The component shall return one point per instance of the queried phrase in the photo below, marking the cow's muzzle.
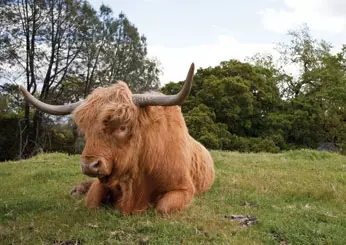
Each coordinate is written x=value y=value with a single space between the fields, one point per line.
x=93 y=167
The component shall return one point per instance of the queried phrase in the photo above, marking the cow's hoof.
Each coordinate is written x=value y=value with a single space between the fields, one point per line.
x=74 y=192
x=79 y=189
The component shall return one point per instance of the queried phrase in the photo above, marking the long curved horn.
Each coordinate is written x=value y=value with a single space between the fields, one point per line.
x=50 y=109
x=166 y=100
x=138 y=99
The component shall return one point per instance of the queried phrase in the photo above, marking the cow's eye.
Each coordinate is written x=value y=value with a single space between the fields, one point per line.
x=122 y=131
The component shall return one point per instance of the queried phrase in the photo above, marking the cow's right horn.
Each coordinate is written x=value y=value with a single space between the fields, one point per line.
x=166 y=100
x=47 y=108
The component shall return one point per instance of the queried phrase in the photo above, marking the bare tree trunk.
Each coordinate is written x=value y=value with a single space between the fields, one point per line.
x=23 y=140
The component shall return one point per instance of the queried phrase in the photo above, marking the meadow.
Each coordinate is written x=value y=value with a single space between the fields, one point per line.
x=298 y=197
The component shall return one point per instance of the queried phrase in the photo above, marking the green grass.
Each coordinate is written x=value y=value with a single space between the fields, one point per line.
x=300 y=198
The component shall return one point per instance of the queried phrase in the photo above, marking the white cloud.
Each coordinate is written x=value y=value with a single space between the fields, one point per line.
x=175 y=62
x=320 y=15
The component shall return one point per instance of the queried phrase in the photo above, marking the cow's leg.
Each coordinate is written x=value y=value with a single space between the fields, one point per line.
x=132 y=197
x=175 y=200
x=81 y=188
x=97 y=194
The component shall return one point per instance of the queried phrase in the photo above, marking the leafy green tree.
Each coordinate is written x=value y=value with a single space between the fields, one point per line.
x=306 y=54
x=41 y=41
x=330 y=96
x=62 y=50
x=241 y=96
x=232 y=102
x=201 y=124
x=314 y=100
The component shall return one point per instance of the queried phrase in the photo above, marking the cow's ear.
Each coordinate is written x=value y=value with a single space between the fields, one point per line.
x=118 y=119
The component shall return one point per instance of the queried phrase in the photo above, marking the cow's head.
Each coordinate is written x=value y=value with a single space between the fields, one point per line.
x=109 y=120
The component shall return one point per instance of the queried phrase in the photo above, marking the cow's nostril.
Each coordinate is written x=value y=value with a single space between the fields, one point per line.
x=92 y=168
x=96 y=164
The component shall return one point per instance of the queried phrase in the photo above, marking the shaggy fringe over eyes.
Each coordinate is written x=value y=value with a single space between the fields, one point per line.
x=114 y=101
x=115 y=115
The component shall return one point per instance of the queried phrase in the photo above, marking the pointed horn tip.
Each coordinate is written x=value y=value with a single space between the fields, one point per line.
x=191 y=71
x=192 y=66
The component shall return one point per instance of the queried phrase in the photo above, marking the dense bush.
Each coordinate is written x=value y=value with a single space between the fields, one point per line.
x=9 y=137
x=58 y=137
x=201 y=124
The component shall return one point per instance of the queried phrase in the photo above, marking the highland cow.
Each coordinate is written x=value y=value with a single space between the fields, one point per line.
x=138 y=148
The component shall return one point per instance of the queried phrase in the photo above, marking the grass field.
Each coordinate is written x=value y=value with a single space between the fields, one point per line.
x=299 y=197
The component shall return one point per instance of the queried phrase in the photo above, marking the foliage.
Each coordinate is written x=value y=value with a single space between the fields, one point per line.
x=297 y=196
x=201 y=123
x=9 y=135
x=317 y=102
x=231 y=104
x=10 y=99
x=259 y=102
x=248 y=106
x=61 y=50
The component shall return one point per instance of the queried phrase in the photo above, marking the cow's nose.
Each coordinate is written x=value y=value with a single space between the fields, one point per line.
x=90 y=168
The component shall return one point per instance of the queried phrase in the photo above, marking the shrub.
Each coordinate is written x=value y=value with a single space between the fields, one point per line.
x=9 y=137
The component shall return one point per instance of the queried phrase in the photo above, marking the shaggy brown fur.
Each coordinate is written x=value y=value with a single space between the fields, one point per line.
x=148 y=156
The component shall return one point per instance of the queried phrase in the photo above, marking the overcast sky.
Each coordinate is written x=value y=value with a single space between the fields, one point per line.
x=210 y=31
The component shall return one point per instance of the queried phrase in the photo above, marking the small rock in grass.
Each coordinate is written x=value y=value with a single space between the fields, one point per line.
x=244 y=220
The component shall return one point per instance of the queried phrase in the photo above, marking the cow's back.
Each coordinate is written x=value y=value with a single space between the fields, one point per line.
x=171 y=146
x=202 y=167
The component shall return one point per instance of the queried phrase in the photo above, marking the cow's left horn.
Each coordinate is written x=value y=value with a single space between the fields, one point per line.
x=50 y=109
x=166 y=100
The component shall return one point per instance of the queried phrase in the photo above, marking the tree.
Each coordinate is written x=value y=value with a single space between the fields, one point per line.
x=313 y=98
x=201 y=124
x=306 y=54
x=42 y=40
x=241 y=95
x=230 y=103
x=125 y=58
x=63 y=49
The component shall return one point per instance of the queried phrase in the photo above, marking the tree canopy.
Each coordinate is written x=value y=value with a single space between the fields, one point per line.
x=61 y=50
x=256 y=106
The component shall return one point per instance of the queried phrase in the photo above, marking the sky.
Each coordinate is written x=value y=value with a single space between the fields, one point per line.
x=180 y=32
